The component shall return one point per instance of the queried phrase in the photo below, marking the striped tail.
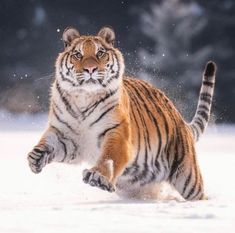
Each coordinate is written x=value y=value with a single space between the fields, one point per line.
x=201 y=118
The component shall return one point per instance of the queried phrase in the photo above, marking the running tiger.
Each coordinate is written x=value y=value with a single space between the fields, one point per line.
x=128 y=131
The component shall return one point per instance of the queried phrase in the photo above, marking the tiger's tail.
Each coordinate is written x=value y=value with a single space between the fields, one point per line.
x=201 y=117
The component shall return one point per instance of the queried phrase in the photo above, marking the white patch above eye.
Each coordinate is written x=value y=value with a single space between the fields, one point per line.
x=79 y=48
x=97 y=46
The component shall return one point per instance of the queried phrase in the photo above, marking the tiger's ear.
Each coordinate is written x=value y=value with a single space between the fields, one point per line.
x=69 y=35
x=107 y=33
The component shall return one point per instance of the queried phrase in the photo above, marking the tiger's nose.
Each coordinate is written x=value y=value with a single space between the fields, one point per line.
x=90 y=69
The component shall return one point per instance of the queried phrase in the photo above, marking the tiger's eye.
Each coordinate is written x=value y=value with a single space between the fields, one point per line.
x=77 y=55
x=100 y=54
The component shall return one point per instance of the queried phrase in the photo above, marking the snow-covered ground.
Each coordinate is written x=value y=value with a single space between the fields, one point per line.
x=56 y=200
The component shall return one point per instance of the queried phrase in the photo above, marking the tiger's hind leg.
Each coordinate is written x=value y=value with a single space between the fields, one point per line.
x=185 y=175
x=187 y=180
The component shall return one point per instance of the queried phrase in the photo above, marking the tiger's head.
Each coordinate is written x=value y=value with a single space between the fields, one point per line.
x=89 y=63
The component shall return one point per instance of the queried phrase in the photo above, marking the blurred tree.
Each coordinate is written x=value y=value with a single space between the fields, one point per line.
x=220 y=33
x=177 y=36
x=172 y=63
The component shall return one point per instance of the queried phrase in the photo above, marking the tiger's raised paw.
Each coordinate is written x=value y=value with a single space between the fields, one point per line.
x=95 y=179
x=37 y=159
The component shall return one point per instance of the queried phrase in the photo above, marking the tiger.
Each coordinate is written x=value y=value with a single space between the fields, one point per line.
x=128 y=131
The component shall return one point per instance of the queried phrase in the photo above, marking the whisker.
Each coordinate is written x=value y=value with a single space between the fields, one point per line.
x=45 y=77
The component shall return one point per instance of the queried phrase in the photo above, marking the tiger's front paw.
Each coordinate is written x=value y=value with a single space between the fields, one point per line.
x=94 y=178
x=38 y=158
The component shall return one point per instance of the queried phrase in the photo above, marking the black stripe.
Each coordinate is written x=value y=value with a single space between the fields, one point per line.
x=207 y=83
x=66 y=102
x=203 y=107
x=103 y=114
x=200 y=123
x=94 y=106
x=150 y=180
x=136 y=166
x=67 y=80
x=73 y=154
x=109 y=80
x=101 y=135
x=138 y=134
x=135 y=163
x=177 y=160
x=138 y=107
x=206 y=97
x=196 y=194
x=66 y=64
x=81 y=81
x=159 y=110
x=111 y=67
x=175 y=139
x=32 y=158
x=112 y=102
x=116 y=76
x=199 y=187
x=64 y=148
x=174 y=165
x=118 y=64
x=195 y=131
x=183 y=153
x=146 y=139
x=153 y=119
x=142 y=175
x=203 y=114
x=187 y=182
x=63 y=122
x=38 y=150
x=168 y=151
x=57 y=107
x=192 y=190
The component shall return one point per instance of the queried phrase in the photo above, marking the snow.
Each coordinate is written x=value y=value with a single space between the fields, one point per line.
x=57 y=200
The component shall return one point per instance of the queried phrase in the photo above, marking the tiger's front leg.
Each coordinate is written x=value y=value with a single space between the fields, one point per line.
x=115 y=155
x=52 y=147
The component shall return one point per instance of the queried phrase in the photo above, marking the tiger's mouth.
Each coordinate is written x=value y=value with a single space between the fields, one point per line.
x=94 y=78
x=91 y=80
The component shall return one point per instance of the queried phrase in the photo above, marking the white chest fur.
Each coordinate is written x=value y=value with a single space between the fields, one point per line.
x=82 y=118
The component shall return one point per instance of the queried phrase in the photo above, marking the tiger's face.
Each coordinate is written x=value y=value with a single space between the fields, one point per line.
x=89 y=63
